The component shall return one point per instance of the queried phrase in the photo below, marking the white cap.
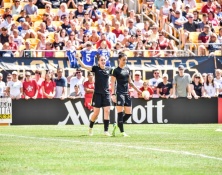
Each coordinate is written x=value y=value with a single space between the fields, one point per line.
x=15 y=73
x=165 y=75
x=137 y=73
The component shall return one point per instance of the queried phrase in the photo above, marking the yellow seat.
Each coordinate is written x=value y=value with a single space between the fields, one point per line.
x=35 y=18
x=37 y=24
x=51 y=35
x=217 y=28
x=57 y=23
x=193 y=36
x=7 y=1
x=218 y=53
x=41 y=12
x=7 y=5
x=15 y=17
x=59 y=54
x=199 y=6
x=129 y=53
x=33 y=42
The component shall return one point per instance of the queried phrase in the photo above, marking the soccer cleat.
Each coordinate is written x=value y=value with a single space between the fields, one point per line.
x=106 y=133
x=114 y=129
x=90 y=132
x=124 y=134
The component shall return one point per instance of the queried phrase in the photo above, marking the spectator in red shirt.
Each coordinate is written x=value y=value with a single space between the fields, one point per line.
x=117 y=31
x=208 y=7
x=12 y=45
x=48 y=86
x=203 y=38
x=146 y=87
x=89 y=90
x=103 y=38
x=30 y=87
x=39 y=81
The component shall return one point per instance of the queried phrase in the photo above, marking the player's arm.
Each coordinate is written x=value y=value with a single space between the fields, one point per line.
x=133 y=85
x=89 y=68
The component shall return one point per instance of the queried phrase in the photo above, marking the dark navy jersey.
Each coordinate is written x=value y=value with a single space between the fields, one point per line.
x=106 y=54
x=88 y=57
x=101 y=79
x=122 y=79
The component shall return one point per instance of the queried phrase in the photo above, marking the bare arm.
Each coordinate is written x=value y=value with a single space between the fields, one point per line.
x=89 y=68
x=113 y=83
x=133 y=85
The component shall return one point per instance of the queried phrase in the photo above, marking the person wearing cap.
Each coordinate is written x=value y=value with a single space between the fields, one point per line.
x=196 y=86
x=189 y=26
x=2 y=86
x=164 y=88
x=101 y=96
x=79 y=13
x=208 y=7
x=181 y=84
x=22 y=15
x=153 y=82
x=191 y=3
x=138 y=82
x=186 y=11
x=14 y=87
x=76 y=79
x=178 y=20
x=30 y=87
x=4 y=35
x=203 y=38
x=31 y=8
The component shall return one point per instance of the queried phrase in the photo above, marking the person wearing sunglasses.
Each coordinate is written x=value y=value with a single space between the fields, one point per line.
x=197 y=85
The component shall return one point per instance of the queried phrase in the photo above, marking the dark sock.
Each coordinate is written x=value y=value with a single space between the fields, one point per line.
x=106 y=125
x=120 y=121
x=126 y=117
x=91 y=123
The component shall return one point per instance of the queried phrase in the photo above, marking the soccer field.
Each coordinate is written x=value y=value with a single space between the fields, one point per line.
x=151 y=149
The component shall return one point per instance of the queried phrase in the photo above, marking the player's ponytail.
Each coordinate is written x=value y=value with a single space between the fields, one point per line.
x=121 y=54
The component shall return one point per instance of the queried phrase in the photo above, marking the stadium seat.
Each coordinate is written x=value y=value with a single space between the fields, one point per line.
x=129 y=53
x=7 y=4
x=35 y=18
x=193 y=38
x=199 y=6
x=218 y=53
x=59 y=54
x=51 y=35
x=33 y=42
x=217 y=28
x=36 y=25
x=57 y=23
x=2 y=11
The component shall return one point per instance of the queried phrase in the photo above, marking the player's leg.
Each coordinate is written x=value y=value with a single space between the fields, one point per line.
x=106 y=120
x=93 y=119
x=106 y=109
x=96 y=103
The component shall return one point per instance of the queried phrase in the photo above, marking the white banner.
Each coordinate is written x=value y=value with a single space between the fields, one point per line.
x=5 y=110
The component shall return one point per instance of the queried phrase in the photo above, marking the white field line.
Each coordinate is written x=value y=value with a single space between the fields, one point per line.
x=115 y=145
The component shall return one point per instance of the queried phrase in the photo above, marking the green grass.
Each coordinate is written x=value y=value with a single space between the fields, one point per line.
x=151 y=149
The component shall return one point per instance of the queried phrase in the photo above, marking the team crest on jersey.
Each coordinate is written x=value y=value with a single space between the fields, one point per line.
x=93 y=103
x=119 y=102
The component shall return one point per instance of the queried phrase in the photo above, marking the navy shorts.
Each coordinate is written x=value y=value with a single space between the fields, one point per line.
x=101 y=100
x=123 y=100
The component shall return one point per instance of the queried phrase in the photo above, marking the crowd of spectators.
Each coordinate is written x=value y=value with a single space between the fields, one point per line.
x=54 y=85
x=67 y=24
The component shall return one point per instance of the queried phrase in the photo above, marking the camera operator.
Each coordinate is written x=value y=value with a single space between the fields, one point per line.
x=94 y=13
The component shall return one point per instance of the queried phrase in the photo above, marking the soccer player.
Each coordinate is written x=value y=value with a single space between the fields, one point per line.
x=101 y=96
x=88 y=55
x=121 y=77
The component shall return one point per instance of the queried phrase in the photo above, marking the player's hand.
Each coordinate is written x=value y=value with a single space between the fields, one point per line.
x=113 y=98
